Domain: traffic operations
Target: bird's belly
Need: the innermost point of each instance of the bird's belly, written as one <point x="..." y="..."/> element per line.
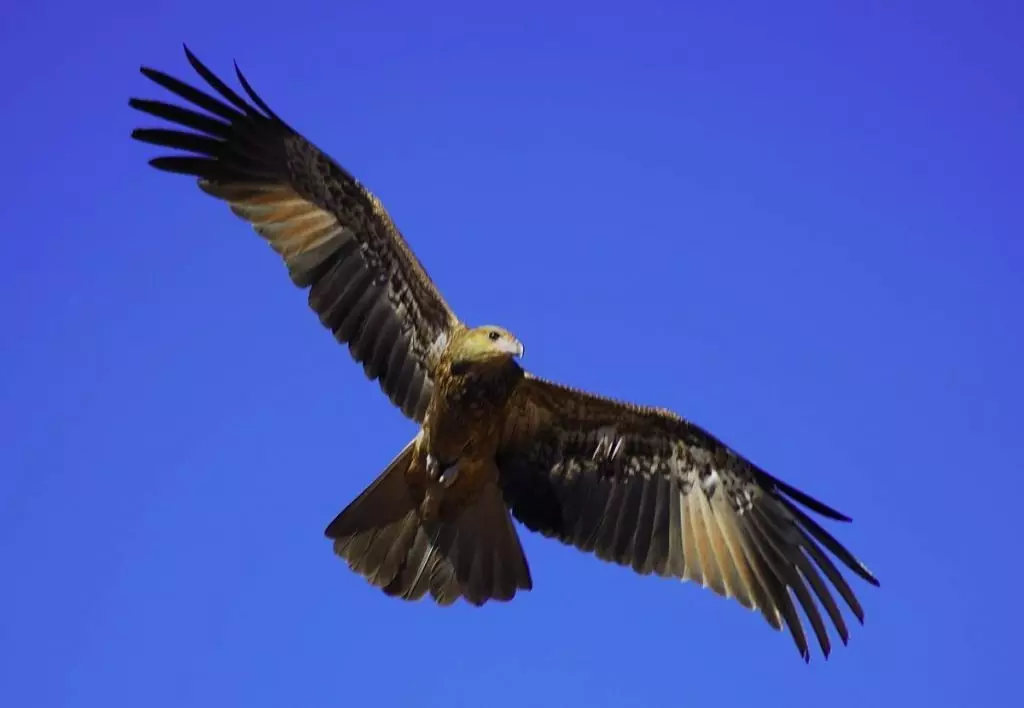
<point x="463" y="450"/>
<point x="451" y="435"/>
<point x="460" y="485"/>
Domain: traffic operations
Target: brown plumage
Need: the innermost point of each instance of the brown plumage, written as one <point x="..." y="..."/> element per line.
<point x="640" y="487"/>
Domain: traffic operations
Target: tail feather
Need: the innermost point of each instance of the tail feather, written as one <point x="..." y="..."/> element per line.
<point x="375" y="531"/>
<point x="476" y="556"/>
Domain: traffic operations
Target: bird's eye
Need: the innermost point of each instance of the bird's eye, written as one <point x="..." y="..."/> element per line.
<point x="494" y="336"/>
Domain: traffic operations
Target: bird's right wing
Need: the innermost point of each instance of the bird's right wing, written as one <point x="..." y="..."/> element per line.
<point x="335" y="237"/>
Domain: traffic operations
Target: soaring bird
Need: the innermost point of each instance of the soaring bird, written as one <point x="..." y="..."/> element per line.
<point x="638" y="486"/>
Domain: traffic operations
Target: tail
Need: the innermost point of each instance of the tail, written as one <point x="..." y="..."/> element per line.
<point x="477" y="556"/>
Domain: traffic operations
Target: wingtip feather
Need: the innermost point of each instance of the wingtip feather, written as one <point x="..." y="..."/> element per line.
<point x="869" y="576"/>
<point x="189" y="55"/>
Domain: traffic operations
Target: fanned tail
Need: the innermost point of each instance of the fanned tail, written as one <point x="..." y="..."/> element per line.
<point x="476" y="556"/>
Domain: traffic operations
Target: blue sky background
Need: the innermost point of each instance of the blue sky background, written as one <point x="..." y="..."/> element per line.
<point x="798" y="224"/>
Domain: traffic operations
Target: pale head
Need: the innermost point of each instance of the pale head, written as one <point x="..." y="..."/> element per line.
<point x="488" y="344"/>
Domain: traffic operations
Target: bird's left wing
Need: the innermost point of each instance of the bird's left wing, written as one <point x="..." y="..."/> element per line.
<point x="336" y="238"/>
<point x="646" y="489"/>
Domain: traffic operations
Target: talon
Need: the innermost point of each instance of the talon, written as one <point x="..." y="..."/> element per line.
<point x="449" y="476"/>
<point x="433" y="468"/>
<point x="445" y="477"/>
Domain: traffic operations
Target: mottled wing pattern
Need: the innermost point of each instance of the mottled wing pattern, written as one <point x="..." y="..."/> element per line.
<point x="335" y="237"/>
<point x="646" y="489"/>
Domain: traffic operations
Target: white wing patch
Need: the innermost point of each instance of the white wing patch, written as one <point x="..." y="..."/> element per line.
<point x="710" y="482"/>
<point x="439" y="344"/>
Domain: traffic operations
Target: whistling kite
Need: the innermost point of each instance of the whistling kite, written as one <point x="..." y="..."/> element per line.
<point x="638" y="486"/>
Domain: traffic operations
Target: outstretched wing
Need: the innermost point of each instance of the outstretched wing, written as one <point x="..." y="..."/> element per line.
<point x="334" y="236"/>
<point x="646" y="489"/>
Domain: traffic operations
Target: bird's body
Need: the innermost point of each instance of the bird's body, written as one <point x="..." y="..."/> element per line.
<point x="638" y="486"/>
<point x="458" y="445"/>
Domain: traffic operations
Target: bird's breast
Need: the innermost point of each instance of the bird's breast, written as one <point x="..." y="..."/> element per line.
<point x="467" y="414"/>
<point x="462" y="430"/>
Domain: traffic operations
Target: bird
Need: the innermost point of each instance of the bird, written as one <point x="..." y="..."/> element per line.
<point x="637" y="486"/>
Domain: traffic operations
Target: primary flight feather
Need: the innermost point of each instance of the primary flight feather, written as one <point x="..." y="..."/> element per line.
<point x="637" y="486"/>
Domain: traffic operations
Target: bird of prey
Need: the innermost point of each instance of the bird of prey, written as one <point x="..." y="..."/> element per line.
<point x="638" y="486"/>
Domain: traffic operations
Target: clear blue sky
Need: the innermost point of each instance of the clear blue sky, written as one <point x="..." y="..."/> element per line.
<point x="799" y="226"/>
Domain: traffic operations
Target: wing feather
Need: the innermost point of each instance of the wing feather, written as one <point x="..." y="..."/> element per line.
<point x="334" y="236"/>
<point x="673" y="500"/>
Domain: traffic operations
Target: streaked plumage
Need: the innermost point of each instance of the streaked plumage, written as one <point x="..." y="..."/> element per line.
<point x="640" y="487"/>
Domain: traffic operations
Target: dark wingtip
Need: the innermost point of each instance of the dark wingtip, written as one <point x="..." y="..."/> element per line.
<point x="867" y="575"/>
<point x="801" y="497"/>
<point x="137" y="103"/>
<point x="255" y="97"/>
<point x="812" y="503"/>
<point x="192" y="59"/>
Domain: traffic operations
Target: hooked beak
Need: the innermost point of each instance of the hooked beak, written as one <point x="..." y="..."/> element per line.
<point x="513" y="347"/>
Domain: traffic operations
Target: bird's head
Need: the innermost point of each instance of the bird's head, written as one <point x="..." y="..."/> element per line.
<point x="487" y="344"/>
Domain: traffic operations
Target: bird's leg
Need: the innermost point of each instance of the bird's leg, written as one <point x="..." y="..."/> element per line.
<point x="433" y="468"/>
<point x="609" y="444"/>
<point x="445" y="477"/>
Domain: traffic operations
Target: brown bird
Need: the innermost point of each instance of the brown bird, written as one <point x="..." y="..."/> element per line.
<point x="638" y="486"/>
